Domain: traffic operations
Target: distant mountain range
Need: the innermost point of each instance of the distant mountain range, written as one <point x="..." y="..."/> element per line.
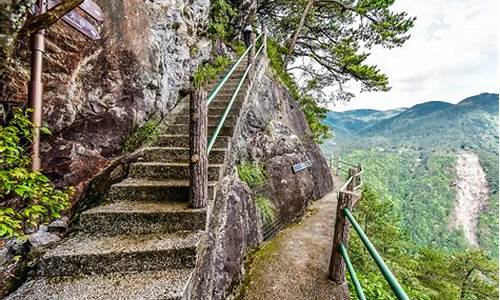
<point x="410" y="155"/>
<point x="471" y="123"/>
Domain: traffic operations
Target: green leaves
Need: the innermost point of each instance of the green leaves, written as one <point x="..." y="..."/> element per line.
<point x="266" y="208"/>
<point x="145" y="133"/>
<point x="313" y="112"/>
<point x="221" y="13"/>
<point x="251" y="173"/>
<point x="209" y="71"/>
<point x="335" y="41"/>
<point x="37" y="200"/>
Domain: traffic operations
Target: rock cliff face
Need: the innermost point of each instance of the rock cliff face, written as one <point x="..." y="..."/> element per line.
<point x="96" y="93"/>
<point x="271" y="130"/>
<point x="471" y="198"/>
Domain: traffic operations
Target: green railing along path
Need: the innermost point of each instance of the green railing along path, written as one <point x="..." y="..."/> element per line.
<point x="221" y="83"/>
<point x="214" y="92"/>
<point x="200" y="144"/>
<point x="389" y="277"/>
<point x="340" y="259"/>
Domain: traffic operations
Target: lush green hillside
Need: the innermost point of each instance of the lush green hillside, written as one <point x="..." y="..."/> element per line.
<point x="410" y="156"/>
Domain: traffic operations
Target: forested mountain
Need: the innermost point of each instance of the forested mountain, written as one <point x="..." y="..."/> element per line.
<point x="434" y="170"/>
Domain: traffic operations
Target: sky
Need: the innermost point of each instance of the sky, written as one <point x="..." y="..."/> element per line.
<point x="452" y="54"/>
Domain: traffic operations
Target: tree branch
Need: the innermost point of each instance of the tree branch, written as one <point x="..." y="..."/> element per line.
<point x="48" y="18"/>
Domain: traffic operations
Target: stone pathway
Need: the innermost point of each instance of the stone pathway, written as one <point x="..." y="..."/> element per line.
<point x="294" y="265"/>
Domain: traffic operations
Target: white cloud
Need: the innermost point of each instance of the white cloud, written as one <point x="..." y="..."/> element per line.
<point x="451" y="55"/>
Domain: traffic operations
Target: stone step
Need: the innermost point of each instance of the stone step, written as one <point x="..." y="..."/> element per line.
<point x="228" y="92"/>
<point x="182" y="140"/>
<point x="177" y="154"/>
<point x="212" y="120"/>
<point x="165" y="171"/>
<point x="226" y="129"/>
<point x="167" y="285"/>
<point x="153" y="190"/>
<point x="217" y="110"/>
<point x="86" y="254"/>
<point x="137" y="217"/>
<point x="236" y="73"/>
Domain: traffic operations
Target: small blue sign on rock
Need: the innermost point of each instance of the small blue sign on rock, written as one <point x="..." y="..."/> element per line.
<point x="301" y="166"/>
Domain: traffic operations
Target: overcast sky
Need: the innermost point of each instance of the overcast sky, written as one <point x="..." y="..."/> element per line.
<point x="452" y="54"/>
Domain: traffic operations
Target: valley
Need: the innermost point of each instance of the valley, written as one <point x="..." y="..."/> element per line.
<point x="437" y="161"/>
<point x="430" y="195"/>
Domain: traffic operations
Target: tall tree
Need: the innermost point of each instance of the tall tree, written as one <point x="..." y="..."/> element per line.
<point x="329" y="40"/>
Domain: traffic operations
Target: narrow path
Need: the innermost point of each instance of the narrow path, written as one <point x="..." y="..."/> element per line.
<point x="294" y="265"/>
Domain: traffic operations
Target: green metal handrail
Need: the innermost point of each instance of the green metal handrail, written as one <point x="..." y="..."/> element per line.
<point x="260" y="49"/>
<point x="343" y="170"/>
<point x="226" y="112"/>
<point x="228" y="108"/>
<point x="352" y="273"/>
<point x="389" y="277"/>
<point x="219" y="85"/>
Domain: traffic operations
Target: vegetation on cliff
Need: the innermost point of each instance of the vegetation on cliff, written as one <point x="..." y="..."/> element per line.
<point x="409" y="156"/>
<point x="425" y="272"/>
<point x="27" y="198"/>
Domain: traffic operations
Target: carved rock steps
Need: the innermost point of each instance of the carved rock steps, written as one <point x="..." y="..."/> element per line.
<point x="142" y="244"/>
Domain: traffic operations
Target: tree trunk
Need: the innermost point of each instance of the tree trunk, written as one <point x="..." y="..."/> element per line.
<point x="198" y="162"/>
<point x="295" y="36"/>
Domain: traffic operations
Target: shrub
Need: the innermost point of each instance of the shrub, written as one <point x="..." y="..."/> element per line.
<point x="144" y="133"/>
<point x="266" y="208"/>
<point x="221" y="13"/>
<point x="253" y="174"/>
<point x="209" y="71"/>
<point x="37" y="200"/>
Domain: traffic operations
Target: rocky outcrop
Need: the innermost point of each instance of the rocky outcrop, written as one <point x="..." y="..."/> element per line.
<point x="96" y="93"/>
<point x="472" y="195"/>
<point x="141" y="228"/>
<point x="272" y="131"/>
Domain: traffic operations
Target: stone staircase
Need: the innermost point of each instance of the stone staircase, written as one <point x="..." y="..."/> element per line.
<point x="142" y="243"/>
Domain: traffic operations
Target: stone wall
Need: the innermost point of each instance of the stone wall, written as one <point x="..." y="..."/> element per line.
<point x="96" y="93"/>
<point x="272" y="130"/>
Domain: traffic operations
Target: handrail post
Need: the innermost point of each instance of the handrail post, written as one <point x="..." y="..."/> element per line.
<point x="337" y="173"/>
<point x="252" y="50"/>
<point x="358" y="177"/>
<point x="337" y="268"/>
<point x="198" y="159"/>
<point x="264" y="38"/>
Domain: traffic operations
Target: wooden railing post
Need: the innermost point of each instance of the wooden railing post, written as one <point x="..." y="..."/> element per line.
<point x="264" y="38"/>
<point x="198" y="162"/>
<point x="358" y="178"/>
<point x="337" y="173"/>
<point x="252" y="50"/>
<point x="336" y="270"/>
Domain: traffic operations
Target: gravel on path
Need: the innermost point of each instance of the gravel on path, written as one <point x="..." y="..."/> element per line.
<point x="294" y="264"/>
